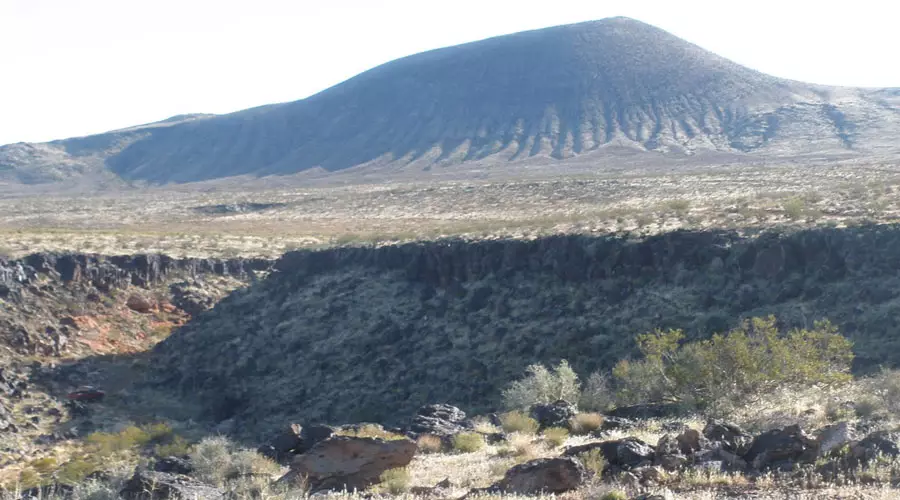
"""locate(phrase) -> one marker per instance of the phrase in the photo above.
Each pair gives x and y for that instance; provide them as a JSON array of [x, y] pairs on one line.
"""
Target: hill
[[587, 95]]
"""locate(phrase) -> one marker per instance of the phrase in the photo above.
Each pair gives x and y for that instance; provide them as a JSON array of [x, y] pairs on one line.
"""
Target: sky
[[77, 67]]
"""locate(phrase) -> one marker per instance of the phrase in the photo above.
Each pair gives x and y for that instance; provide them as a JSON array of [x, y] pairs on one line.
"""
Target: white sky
[[75, 67]]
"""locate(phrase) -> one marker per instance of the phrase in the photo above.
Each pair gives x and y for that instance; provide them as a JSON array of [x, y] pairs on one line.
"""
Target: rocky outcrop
[[152, 485], [119, 271], [546, 475], [556, 414], [626, 453], [349, 463], [441, 420], [781, 449]]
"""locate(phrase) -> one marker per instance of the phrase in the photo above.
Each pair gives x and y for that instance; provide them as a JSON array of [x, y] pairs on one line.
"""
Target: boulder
[[556, 414], [138, 303], [616, 424], [153, 485], [284, 445], [350, 463], [731, 437], [881, 443], [312, 435], [441, 420], [627, 453], [667, 445], [632, 452], [835, 437], [781, 448], [691, 441], [174, 465], [546, 475]]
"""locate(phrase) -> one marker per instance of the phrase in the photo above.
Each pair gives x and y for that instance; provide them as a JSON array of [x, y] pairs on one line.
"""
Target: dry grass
[[429, 444], [167, 220], [585, 423], [516, 421]]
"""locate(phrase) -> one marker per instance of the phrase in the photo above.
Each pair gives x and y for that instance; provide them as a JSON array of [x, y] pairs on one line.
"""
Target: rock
[[546, 475], [282, 447], [350, 463], [626, 453], [670, 462], [174, 465], [775, 448], [633, 452], [835, 437], [616, 423], [884, 443], [192, 297], [667, 445], [312, 435], [494, 437], [731, 437], [691, 441], [138, 303], [152, 485], [649, 475], [556, 414], [441, 420]]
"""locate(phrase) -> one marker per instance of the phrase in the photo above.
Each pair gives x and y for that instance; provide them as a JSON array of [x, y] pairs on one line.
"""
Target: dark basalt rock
[[556, 414]]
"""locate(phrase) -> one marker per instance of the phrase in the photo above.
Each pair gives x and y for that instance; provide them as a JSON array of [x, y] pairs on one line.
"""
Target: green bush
[[75, 471], [749, 361], [614, 495], [556, 436], [516, 421], [468, 442], [176, 446], [542, 386]]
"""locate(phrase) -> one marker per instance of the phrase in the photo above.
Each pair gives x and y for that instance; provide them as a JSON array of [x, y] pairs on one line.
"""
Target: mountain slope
[[583, 91]]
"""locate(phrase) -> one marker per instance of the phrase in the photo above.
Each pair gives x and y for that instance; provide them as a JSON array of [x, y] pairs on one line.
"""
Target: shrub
[[251, 463], [516, 421], [176, 447], [395, 481], [586, 423], [614, 495], [751, 360], [429, 443], [593, 460], [43, 465], [468, 442], [75, 471], [885, 386], [211, 458], [520, 446], [106, 443], [542, 386], [556, 436], [218, 461], [596, 394]]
